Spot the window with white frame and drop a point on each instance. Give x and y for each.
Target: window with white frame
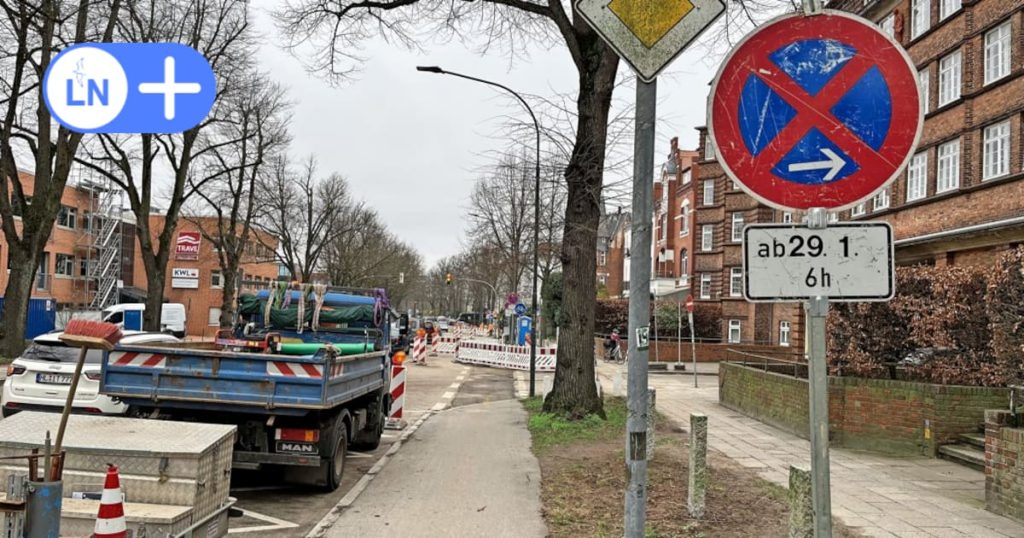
(784, 328)
(602, 257)
(664, 226)
(687, 176)
(881, 200)
(67, 217)
(709, 192)
(924, 79)
(705, 286)
(216, 279)
(917, 177)
(709, 148)
(737, 227)
(833, 217)
(707, 237)
(736, 282)
(948, 7)
(920, 17)
(65, 265)
(684, 263)
(735, 331)
(214, 319)
(948, 176)
(684, 219)
(997, 53)
(602, 279)
(859, 210)
(996, 158)
(949, 78)
(787, 217)
(888, 25)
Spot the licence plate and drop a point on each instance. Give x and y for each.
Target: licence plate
(291, 447)
(54, 379)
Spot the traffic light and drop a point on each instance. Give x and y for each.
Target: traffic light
(448, 279)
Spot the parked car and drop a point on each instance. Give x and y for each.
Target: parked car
(128, 316)
(443, 323)
(39, 379)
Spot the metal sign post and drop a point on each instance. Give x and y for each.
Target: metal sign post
(693, 337)
(817, 364)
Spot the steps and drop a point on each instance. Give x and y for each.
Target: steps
(969, 451)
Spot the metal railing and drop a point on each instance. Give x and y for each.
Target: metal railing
(767, 363)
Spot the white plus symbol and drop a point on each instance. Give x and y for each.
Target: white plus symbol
(169, 87)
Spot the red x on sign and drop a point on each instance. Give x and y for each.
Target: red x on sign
(815, 111)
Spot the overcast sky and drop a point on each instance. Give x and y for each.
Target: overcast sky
(410, 143)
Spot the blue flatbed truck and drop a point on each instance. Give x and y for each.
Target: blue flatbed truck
(300, 399)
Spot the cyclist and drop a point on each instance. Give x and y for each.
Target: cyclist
(613, 347)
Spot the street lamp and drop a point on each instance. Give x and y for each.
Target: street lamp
(536, 211)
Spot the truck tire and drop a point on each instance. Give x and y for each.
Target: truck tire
(333, 467)
(369, 437)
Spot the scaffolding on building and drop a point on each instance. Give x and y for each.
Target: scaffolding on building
(101, 244)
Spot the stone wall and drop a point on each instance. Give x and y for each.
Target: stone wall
(1004, 477)
(896, 417)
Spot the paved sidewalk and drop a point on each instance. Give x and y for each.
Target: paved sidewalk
(466, 472)
(875, 494)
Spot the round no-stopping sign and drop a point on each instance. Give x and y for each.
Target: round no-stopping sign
(815, 111)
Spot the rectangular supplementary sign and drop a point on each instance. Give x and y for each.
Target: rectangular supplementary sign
(845, 262)
(184, 278)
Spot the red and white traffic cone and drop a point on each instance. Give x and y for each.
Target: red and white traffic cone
(110, 522)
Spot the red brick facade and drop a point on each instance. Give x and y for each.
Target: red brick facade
(673, 222)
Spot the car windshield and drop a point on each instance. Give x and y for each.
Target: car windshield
(59, 353)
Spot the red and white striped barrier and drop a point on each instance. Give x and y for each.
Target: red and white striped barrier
(110, 522)
(295, 369)
(435, 341)
(446, 344)
(502, 356)
(394, 421)
(419, 350)
(140, 360)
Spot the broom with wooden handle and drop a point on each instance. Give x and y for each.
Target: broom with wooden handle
(85, 335)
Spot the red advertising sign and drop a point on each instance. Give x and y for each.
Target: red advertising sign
(187, 246)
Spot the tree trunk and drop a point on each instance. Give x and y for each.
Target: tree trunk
(156, 276)
(574, 393)
(227, 303)
(16, 299)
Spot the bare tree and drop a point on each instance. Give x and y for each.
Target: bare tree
(256, 130)
(219, 30)
(306, 214)
(31, 34)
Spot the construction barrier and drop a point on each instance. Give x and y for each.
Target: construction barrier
(502, 356)
(446, 344)
(394, 421)
(434, 342)
(419, 350)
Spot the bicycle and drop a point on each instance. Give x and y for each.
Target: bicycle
(614, 354)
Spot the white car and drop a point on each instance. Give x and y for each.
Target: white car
(39, 380)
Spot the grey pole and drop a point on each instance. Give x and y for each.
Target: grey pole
(817, 312)
(679, 332)
(536, 214)
(639, 310)
(693, 346)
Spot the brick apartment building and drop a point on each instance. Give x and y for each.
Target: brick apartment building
(673, 227)
(612, 246)
(63, 273)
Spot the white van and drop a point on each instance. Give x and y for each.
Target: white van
(128, 316)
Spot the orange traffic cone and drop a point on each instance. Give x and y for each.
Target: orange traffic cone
(110, 522)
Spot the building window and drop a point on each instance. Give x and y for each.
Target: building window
(684, 263)
(784, 328)
(687, 176)
(948, 7)
(917, 177)
(735, 331)
(888, 25)
(602, 279)
(737, 227)
(602, 257)
(997, 53)
(707, 237)
(684, 219)
(920, 17)
(924, 79)
(736, 282)
(709, 148)
(949, 78)
(705, 286)
(216, 279)
(881, 200)
(663, 233)
(42, 276)
(83, 267)
(67, 216)
(997, 151)
(709, 192)
(214, 320)
(833, 217)
(948, 177)
(65, 265)
(858, 210)
(787, 217)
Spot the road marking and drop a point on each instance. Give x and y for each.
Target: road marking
(461, 378)
(275, 524)
(439, 406)
(448, 395)
(455, 386)
(358, 455)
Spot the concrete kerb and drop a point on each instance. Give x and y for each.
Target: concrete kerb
(331, 518)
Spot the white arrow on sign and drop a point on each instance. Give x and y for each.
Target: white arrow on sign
(834, 164)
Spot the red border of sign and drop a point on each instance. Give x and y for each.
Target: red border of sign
(877, 169)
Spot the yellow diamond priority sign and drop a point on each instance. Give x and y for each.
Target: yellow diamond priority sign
(649, 34)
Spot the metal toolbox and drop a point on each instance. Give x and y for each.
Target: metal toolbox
(160, 462)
